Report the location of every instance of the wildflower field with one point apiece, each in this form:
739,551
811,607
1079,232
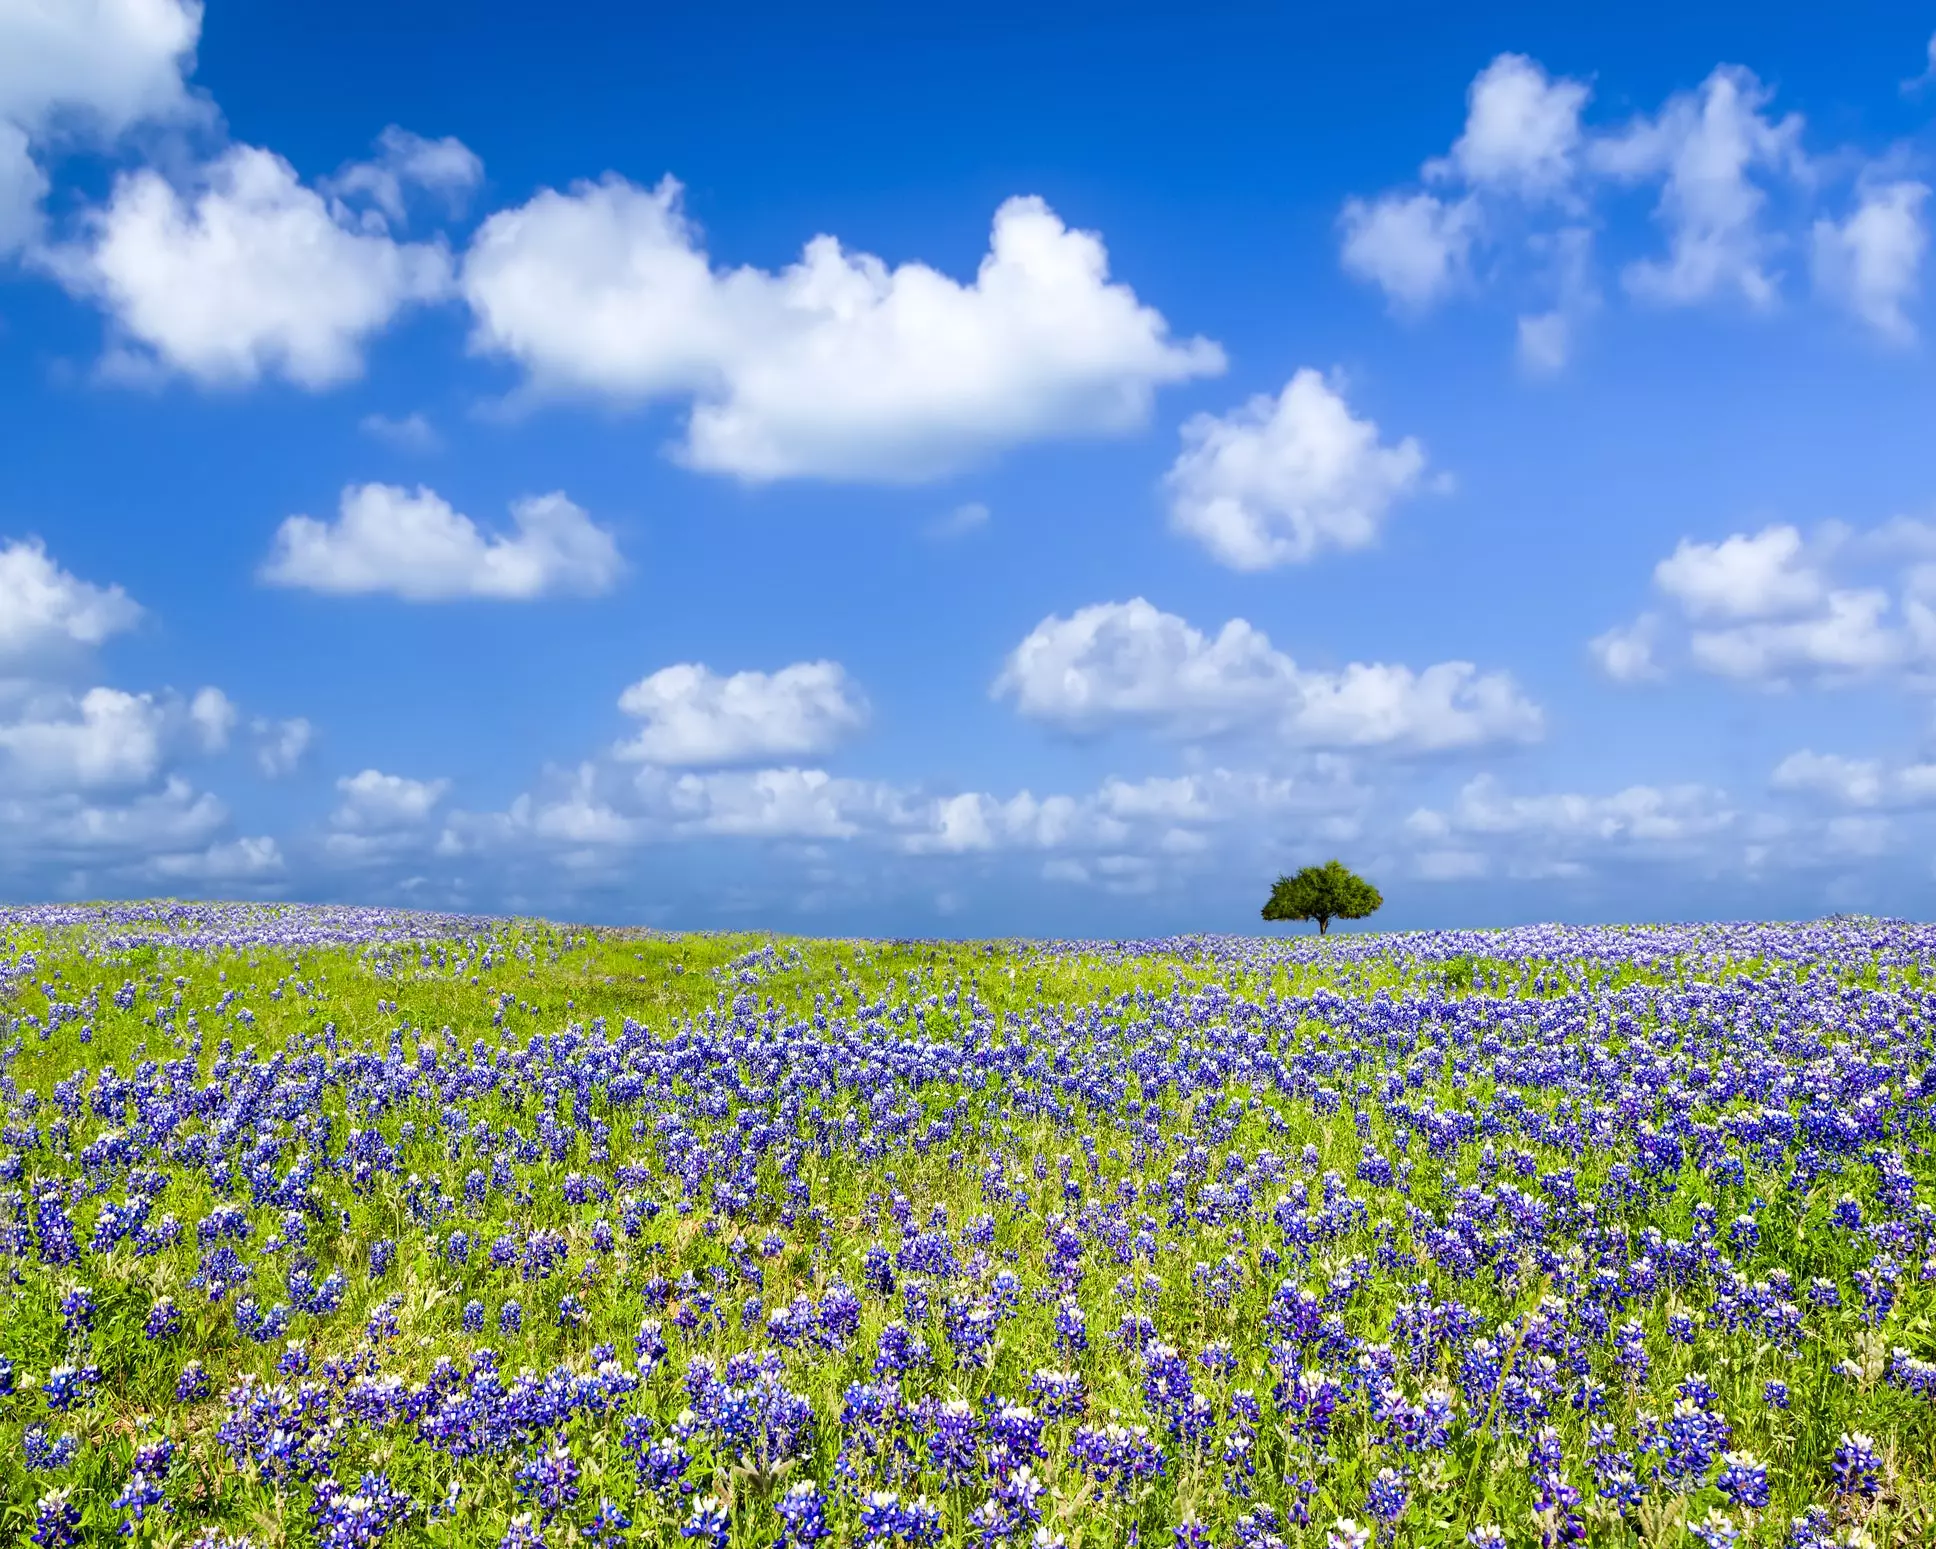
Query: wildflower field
353,1227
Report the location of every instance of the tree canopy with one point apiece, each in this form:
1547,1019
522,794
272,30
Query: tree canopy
1323,893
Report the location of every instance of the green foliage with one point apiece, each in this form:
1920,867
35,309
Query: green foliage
1323,893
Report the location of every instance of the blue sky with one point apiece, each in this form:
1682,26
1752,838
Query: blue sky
968,473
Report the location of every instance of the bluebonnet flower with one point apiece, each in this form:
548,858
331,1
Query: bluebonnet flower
804,1511
57,1520
550,1481
1856,1467
707,1526
1743,1480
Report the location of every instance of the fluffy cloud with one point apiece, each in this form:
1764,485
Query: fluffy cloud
44,609
447,169
1625,653
835,367
246,274
234,860
1564,834
280,745
1130,663
1415,247
374,801
115,61
1522,129
1703,146
103,738
1521,192
694,716
93,66
1281,479
415,546
1774,607
213,716
1745,576
1857,782
1871,263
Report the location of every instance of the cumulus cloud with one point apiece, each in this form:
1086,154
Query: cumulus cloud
835,367
44,609
1871,263
280,745
1744,576
373,800
1522,129
1130,663
102,738
91,67
1625,653
413,545
1281,479
1566,834
213,716
1415,247
1857,782
246,273
1704,146
1775,607
1527,179
695,716
234,860
447,169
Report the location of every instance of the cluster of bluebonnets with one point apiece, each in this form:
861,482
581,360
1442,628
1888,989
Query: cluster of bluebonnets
354,1227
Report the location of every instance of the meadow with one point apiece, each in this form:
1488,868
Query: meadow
341,1227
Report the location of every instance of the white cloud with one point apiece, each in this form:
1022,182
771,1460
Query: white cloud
408,433
836,367
113,61
1773,607
1734,190
1414,247
446,168
1626,652
693,715
1705,144
245,275
1871,263
213,715
105,738
280,745
1561,834
413,545
1522,129
1742,577
44,609
234,860
1853,782
1281,479
1128,663
70,827
374,801
81,67
1850,636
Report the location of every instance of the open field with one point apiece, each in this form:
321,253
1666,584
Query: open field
347,1227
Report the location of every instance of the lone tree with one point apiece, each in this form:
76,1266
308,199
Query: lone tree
1323,893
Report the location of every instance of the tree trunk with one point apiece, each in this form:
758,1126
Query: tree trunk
1324,923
